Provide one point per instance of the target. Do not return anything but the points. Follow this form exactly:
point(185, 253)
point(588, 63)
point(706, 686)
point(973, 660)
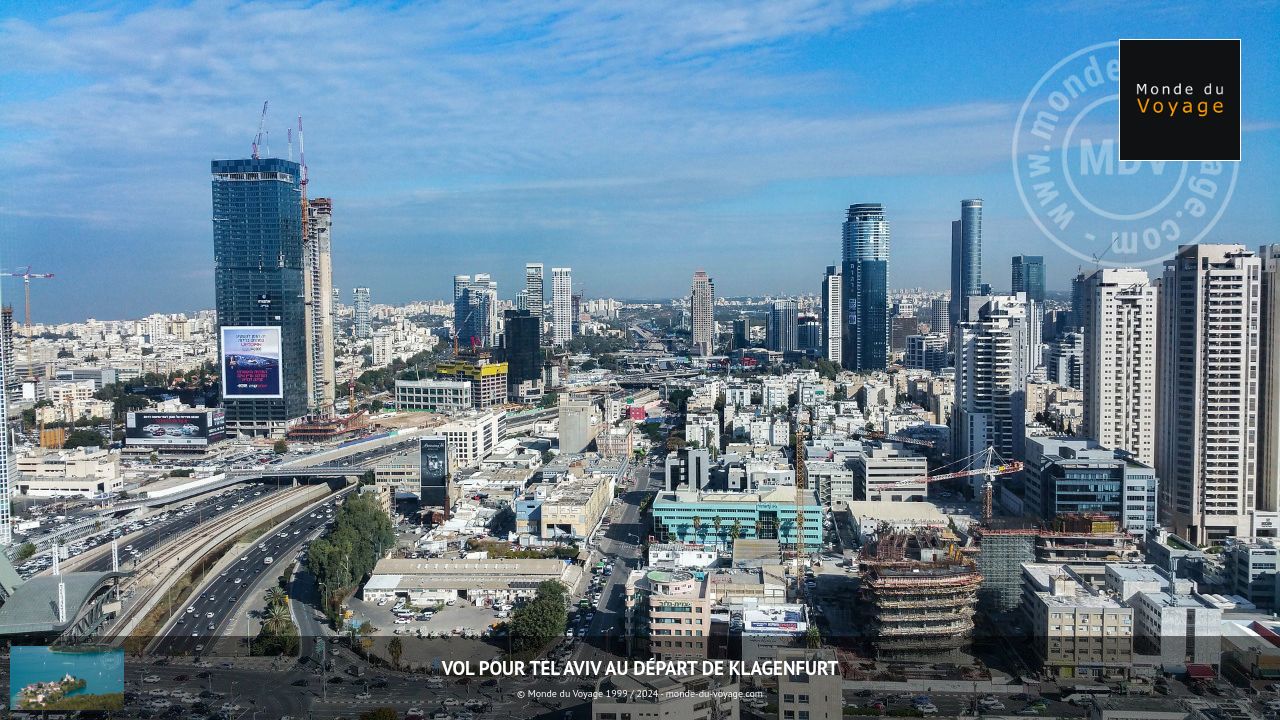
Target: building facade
point(1269, 390)
point(258, 280)
point(360, 305)
point(832, 325)
point(562, 305)
point(966, 259)
point(442, 396)
point(521, 345)
point(865, 269)
point(1028, 277)
point(702, 310)
point(1119, 360)
point(995, 353)
point(317, 286)
point(535, 293)
point(782, 333)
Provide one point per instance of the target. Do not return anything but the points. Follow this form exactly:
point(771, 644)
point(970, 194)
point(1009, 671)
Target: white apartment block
point(1077, 631)
point(562, 305)
point(1207, 402)
point(832, 315)
point(890, 471)
point(1119, 374)
point(472, 437)
point(774, 393)
point(1179, 628)
point(1269, 391)
point(443, 396)
point(384, 348)
point(995, 354)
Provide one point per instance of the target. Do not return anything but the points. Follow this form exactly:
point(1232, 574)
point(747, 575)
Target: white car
point(151, 679)
point(238, 581)
point(208, 615)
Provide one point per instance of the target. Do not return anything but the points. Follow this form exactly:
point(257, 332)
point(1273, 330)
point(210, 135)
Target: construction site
point(918, 595)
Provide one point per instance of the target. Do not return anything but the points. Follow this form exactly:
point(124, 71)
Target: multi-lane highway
point(209, 615)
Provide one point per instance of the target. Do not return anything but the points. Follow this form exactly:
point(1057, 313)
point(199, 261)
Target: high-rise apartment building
point(475, 310)
point(258, 283)
point(1028, 277)
point(7, 467)
point(1207, 391)
point(702, 308)
point(1269, 388)
point(10, 370)
point(832, 320)
point(535, 293)
point(742, 333)
point(360, 298)
point(940, 315)
point(782, 333)
point(1119, 368)
point(865, 268)
point(966, 259)
point(562, 305)
point(317, 287)
point(1064, 360)
point(995, 352)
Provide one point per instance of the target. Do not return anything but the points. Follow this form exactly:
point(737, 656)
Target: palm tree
point(735, 530)
point(275, 596)
point(697, 526)
point(716, 521)
point(277, 618)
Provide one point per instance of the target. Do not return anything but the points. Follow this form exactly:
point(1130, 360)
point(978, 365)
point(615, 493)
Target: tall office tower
point(782, 331)
point(832, 328)
point(475, 309)
point(702, 307)
point(1079, 295)
point(1064, 360)
point(6, 462)
point(360, 298)
point(561, 305)
point(865, 267)
point(809, 333)
point(1119, 369)
point(317, 287)
point(742, 333)
point(996, 351)
point(522, 300)
point(9, 371)
point(258, 282)
point(966, 259)
point(521, 337)
point(535, 289)
point(1269, 389)
point(940, 311)
point(1028, 277)
point(1207, 391)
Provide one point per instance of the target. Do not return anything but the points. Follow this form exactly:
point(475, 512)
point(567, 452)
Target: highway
point(208, 615)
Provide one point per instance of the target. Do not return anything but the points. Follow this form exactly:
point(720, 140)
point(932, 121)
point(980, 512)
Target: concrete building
point(688, 469)
point(782, 332)
point(832, 317)
point(1064, 361)
point(443, 396)
point(807, 696)
point(1179, 628)
point(997, 349)
point(1251, 570)
point(535, 293)
point(317, 286)
point(383, 348)
point(361, 305)
point(576, 427)
point(561, 305)
point(617, 442)
point(1269, 390)
point(671, 609)
point(702, 310)
point(1066, 476)
point(768, 513)
point(83, 472)
point(488, 378)
point(472, 437)
point(641, 697)
point(573, 507)
point(1119, 360)
point(920, 609)
point(433, 582)
point(926, 352)
point(685, 557)
point(1207, 396)
point(1076, 631)
point(890, 471)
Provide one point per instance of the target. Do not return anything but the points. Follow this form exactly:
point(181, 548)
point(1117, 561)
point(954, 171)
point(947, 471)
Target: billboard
point(177, 429)
point(251, 363)
point(434, 458)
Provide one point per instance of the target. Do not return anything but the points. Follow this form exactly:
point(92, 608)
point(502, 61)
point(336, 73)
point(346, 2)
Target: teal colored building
point(716, 518)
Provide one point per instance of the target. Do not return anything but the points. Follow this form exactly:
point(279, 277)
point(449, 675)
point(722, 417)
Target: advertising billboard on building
point(434, 456)
point(251, 363)
point(177, 430)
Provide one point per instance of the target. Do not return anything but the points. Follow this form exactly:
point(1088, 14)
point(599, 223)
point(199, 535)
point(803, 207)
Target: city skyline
point(93, 140)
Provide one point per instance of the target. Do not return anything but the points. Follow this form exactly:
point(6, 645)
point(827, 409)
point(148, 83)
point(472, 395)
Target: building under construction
point(919, 595)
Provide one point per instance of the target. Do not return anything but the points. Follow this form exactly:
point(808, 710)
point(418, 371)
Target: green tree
point(384, 713)
point(24, 553)
point(735, 530)
point(813, 638)
point(83, 437)
point(375, 405)
point(275, 596)
point(361, 532)
point(280, 447)
point(395, 649)
point(542, 619)
point(697, 525)
point(717, 522)
point(277, 618)
point(549, 400)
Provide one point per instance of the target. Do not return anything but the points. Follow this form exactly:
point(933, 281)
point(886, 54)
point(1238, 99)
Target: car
point(927, 708)
point(363, 695)
point(239, 580)
point(151, 679)
point(181, 678)
point(211, 627)
point(191, 608)
point(208, 614)
point(1028, 710)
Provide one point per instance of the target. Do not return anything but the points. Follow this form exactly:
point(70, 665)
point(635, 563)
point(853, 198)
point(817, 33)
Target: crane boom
point(27, 276)
point(1005, 469)
point(262, 124)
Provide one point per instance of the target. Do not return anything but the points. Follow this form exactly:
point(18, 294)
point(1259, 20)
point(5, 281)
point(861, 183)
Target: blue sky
point(635, 142)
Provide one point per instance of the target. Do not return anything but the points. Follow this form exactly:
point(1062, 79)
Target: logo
point(1180, 100)
point(1082, 196)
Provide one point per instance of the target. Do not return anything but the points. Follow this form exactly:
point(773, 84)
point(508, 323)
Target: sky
point(635, 142)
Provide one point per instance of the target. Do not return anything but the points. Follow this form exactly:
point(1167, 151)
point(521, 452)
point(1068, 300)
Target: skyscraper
point(6, 462)
point(832, 325)
point(742, 332)
point(258, 283)
point(966, 259)
point(521, 336)
point(1207, 391)
point(865, 267)
point(1269, 389)
point(782, 331)
point(562, 305)
point(940, 315)
point(9, 371)
point(534, 289)
point(360, 298)
point(317, 284)
point(702, 307)
point(995, 352)
point(1119, 368)
point(1028, 277)
point(475, 310)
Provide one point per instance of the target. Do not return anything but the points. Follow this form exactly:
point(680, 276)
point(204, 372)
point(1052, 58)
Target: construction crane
point(27, 276)
point(877, 435)
point(992, 466)
point(802, 487)
point(262, 124)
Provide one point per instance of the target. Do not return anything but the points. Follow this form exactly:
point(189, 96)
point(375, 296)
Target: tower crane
point(262, 124)
point(992, 467)
point(802, 492)
point(27, 276)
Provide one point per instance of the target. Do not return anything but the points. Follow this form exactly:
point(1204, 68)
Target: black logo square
point(1180, 100)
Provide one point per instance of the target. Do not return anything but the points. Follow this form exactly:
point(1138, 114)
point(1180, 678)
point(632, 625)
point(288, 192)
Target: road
point(208, 615)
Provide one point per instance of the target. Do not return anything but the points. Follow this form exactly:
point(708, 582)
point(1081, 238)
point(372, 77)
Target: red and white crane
point(992, 466)
point(27, 276)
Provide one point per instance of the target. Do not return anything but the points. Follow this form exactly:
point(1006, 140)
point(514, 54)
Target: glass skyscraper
point(865, 269)
point(1028, 277)
point(966, 259)
point(258, 278)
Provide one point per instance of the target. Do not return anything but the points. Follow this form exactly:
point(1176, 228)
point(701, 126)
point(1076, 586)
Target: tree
point(277, 618)
point(281, 447)
point(368, 478)
point(549, 400)
point(735, 530)
point(83, 438)
point(366, 631)
point(813, 638)
point(542, 619)
point(375, 405)
point(697, 525)
point(383, 713)
point(25, 551)
point(395, 649)
point(716, 522)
